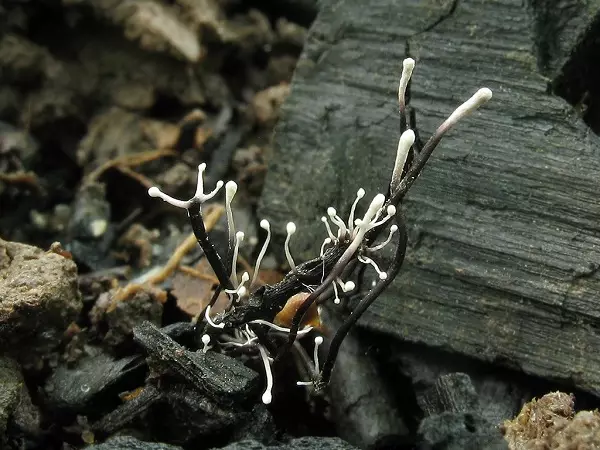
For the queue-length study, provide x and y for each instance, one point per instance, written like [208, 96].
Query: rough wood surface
[505, 220]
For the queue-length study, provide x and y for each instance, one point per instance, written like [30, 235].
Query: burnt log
[504, 243]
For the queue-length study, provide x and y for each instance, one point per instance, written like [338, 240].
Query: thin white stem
[405, 142]
[210, 321]
[332, 213]
[230, 190]
[264, 224]
[239, 237]
[347, 286]
[326, 241]
[291, 229]
[241, 290]
[391, 210]
[282, 329]
[336, 299]
[366, 260]
[318, 342]
[200, 181]
[267, 396]
[211, 194]
[359, 194]
[205, 341]
[156, 192]
[479, 98]
[407, 69]
[393, 229]
[199, 196]
[329, 232]
[362, 226]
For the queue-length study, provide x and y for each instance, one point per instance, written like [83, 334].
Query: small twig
[133, 160]
[197, 274]
[21, 177]
[142, 179]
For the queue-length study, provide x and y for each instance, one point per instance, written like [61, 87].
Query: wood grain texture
[505, 220]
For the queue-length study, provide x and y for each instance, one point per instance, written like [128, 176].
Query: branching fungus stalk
[350, 246]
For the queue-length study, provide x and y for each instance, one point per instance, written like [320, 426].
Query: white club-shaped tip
[267, 398]
[349, 285]
[407, 139]
[245, 277]
[319, 340]
[391, 210]
[378, 201]
[479, 98]
[331, 211]
[202, 167]
[408, 64]
[240, 236]
[290, 228]
[360, 193]
[483, 95]
[394, 228]
[205, 339]
[404, 144]
[230, 190]
[154, 192]
[264, 224]
[383, 276]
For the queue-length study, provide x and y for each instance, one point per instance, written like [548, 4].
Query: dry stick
[364, 304]
[197, 273]
[129, 161]
[142, 179]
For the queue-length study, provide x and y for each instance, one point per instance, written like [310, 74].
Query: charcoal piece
[122, 315]
[504, 221]
[94, 377]
[131, 443]
[454, 416]
[175, 412]
[364, 412]
[190, 417]
[459, 431]
[453, 392]
[303, 443]
[221, 378]
[180, 331]
[500, 395]
[129, 411]
[258, 424]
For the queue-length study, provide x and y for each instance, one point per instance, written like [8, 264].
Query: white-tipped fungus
[264, 224]
[291, 229]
